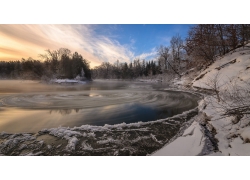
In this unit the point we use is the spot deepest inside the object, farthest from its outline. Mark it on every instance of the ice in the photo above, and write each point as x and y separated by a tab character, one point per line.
63	132
108	140
86	146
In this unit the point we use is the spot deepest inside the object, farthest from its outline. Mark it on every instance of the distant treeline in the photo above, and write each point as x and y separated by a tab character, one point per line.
132	70
57	64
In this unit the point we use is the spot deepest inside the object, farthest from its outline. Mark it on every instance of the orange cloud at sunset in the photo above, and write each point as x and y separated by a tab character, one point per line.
23	41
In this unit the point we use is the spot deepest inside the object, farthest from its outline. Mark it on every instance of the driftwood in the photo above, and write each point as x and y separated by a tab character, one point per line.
222	66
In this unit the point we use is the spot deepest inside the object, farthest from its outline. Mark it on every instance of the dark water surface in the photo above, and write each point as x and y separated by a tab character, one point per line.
29	106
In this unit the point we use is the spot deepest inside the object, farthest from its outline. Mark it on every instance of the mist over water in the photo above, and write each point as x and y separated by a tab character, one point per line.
29	106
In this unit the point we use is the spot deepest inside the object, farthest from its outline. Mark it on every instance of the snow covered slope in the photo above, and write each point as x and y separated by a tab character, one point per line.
235	64
231	138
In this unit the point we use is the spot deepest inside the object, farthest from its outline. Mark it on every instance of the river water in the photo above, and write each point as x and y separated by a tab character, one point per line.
29	106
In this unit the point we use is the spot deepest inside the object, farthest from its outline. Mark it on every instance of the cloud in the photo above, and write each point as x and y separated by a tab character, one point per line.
149	55
25	41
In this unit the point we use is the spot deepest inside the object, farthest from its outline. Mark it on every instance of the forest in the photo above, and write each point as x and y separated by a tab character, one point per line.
56	64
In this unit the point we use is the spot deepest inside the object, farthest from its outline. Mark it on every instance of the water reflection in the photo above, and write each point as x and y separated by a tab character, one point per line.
64	111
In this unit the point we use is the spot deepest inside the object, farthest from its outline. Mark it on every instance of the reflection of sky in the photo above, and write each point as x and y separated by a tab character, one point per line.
21	120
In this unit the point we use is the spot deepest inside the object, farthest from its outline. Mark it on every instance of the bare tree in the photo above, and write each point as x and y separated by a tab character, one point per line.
165	55
176	44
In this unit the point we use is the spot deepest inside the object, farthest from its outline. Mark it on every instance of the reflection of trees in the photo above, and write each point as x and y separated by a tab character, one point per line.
64	111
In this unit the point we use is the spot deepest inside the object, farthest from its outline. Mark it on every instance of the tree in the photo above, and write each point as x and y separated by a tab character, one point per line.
164	54
201	42
176	44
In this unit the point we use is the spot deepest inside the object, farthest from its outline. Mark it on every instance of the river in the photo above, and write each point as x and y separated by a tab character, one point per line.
29	106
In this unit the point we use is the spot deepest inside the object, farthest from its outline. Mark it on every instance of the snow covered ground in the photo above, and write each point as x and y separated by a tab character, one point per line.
59	81
226	137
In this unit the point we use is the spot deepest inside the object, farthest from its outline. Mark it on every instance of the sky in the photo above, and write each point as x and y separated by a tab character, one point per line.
95	42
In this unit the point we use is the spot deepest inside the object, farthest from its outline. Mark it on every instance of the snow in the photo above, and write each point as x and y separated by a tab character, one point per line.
238	148
189	144
229	71
72	144
13	140
108	140
246	134
63	132
86	146
233	139
67	81
229	135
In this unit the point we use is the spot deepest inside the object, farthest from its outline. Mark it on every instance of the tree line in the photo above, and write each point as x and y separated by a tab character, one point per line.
134	69
59	63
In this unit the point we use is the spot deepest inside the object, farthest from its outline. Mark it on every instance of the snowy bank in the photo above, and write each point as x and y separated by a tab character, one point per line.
213	133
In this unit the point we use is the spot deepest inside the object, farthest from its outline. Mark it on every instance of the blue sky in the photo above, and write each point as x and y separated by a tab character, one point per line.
97	43
143	38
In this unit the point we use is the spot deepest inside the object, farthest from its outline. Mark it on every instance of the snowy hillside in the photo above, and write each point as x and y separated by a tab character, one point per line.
235	64
213	132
